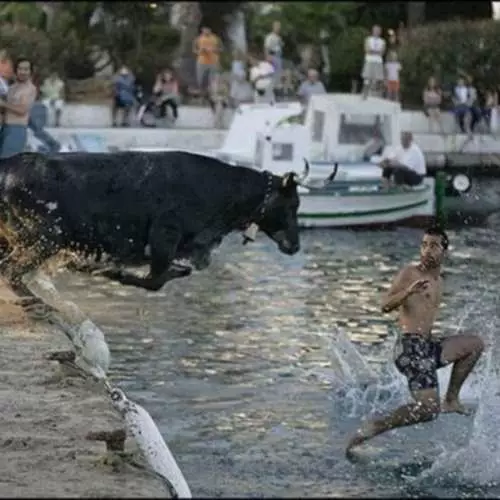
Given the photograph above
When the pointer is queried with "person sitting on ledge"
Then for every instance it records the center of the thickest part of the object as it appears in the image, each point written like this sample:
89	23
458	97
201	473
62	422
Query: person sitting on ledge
406	167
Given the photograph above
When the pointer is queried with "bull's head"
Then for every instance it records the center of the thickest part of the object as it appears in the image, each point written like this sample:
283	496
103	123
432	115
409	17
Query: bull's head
279	218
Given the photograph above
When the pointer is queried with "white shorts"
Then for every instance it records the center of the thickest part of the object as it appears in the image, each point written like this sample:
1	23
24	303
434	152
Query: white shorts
373	71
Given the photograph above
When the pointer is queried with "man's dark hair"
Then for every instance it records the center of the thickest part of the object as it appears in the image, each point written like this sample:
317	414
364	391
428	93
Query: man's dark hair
436	230
21	60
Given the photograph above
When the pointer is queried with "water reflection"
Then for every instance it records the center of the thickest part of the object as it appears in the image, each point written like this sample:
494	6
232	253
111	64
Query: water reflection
233	362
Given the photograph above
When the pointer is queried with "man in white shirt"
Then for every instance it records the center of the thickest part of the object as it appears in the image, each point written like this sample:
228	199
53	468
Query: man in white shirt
373	68
406	167
262	79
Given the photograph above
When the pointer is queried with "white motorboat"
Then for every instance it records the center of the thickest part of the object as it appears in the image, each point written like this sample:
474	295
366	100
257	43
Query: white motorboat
336	132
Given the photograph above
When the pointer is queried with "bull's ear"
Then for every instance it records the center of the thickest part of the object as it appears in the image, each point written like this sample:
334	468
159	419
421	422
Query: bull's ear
289	180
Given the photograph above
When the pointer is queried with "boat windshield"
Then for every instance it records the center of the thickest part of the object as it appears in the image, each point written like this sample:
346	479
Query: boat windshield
362	129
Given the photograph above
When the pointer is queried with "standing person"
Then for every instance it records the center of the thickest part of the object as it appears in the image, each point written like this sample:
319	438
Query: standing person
373	68
16	107
273	47
416	291
262	79
52	92
207	47
123	95
392	70
432	97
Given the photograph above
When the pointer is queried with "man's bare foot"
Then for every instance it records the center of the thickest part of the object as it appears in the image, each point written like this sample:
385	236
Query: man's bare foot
455	407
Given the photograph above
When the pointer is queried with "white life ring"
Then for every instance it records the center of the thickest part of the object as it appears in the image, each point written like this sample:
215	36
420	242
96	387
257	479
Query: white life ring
461	183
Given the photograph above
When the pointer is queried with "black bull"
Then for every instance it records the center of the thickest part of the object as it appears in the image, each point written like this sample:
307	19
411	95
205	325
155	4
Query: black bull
136	208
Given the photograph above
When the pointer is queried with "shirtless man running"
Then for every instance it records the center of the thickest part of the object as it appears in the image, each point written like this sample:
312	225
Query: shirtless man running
416	291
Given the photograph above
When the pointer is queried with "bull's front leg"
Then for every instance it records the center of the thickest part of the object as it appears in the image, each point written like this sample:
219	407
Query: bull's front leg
163	243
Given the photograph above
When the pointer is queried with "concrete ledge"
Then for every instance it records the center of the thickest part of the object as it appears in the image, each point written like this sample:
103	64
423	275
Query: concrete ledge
201	117
195	130
99	116
46	416
125	138
418	123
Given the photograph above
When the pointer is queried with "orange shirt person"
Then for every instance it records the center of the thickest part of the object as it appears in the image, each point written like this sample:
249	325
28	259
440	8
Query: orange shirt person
207	47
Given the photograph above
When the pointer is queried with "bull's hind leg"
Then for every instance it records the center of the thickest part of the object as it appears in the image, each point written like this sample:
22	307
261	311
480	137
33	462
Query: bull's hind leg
163	243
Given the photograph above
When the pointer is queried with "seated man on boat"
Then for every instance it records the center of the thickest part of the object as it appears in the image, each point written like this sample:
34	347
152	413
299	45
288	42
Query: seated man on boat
405	166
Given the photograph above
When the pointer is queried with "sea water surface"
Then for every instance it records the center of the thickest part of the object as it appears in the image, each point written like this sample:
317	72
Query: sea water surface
245	368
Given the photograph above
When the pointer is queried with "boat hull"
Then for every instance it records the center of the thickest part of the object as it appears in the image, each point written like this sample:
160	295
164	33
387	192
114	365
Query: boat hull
377	208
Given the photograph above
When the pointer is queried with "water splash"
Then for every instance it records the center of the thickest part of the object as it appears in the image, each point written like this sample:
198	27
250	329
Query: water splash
478	462
363	393
359	391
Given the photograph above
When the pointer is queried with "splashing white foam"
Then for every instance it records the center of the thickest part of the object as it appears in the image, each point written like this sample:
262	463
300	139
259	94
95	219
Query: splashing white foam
360	392
478	462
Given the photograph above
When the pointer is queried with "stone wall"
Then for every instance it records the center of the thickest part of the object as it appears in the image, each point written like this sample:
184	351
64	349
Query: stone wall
200	117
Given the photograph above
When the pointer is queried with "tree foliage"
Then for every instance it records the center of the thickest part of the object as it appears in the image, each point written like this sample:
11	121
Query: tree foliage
83	37
448	50
82	33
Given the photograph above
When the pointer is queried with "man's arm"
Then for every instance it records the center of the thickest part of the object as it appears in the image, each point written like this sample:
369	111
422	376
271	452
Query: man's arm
399	290
23	107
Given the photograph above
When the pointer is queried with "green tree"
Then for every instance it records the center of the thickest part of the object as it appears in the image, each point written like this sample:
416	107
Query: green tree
447	50
28	14
301	23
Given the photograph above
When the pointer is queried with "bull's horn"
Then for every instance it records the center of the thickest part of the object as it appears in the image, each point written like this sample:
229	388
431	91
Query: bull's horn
302	177
333	174
250	233
297	179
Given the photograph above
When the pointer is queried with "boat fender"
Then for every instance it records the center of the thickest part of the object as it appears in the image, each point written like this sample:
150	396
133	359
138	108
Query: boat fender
461	183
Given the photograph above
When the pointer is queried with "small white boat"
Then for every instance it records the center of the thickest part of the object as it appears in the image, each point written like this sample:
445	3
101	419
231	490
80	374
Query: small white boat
347	204
336	130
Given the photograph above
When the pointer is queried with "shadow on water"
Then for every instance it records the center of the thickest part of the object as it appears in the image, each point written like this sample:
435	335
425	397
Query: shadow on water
235	363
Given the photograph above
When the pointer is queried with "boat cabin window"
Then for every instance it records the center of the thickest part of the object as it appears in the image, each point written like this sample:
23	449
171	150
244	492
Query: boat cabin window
282	151
318	124
362	129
